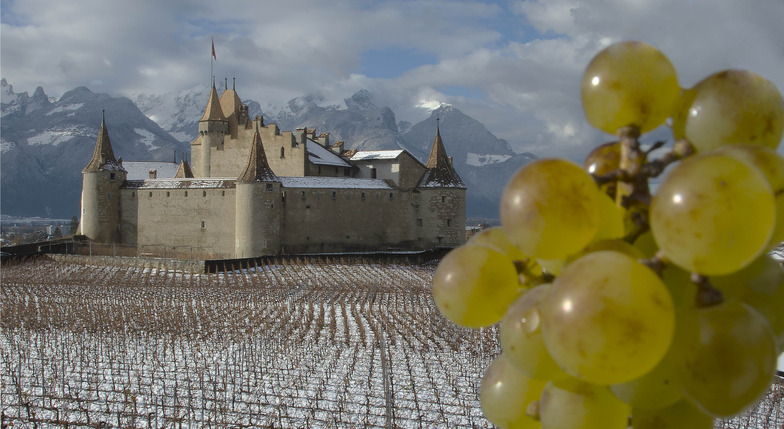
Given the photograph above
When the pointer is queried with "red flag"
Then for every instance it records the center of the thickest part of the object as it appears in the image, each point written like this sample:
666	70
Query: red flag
213	50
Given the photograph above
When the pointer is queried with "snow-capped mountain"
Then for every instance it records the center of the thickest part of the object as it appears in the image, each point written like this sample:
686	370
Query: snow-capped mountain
46	143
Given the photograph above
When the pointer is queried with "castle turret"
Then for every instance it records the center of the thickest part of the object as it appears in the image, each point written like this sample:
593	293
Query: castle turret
101	181
183	171
443	192
213	127
258	208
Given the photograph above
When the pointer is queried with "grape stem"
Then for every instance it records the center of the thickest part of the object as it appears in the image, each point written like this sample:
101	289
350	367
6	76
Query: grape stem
524	270
707	295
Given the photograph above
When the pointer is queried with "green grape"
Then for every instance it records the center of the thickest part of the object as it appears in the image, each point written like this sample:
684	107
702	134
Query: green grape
550	209
607	319
713	214
725	357
760	285
629	83
733	106
656	389
604	159
771	165
473	285
611	224
506	393
521	337
496	238
680	415
572	404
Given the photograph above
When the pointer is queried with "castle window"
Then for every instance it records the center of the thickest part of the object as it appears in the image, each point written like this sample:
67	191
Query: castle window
203	193
391	196
449	222
223	193
151	194
168	193
419	222
283	197
443	199
302	195
133	194
202	225
282	152
440	239
347	172
334	195
268	187
372	172
112	176
362	196
186	193
319	169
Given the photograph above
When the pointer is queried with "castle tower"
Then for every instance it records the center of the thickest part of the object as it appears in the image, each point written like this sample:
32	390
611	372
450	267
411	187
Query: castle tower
443	199
236	113
213	126
258	208
101	181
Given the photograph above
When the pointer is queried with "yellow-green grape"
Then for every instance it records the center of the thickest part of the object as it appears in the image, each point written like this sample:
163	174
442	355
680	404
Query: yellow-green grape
734	106
629	83
760	285
473	285
646	244
604	159
506	393
611	223
771	165
572	404
495	237
656	389
521	337
607	319
680	415
681	112
713	214
725	357
550	208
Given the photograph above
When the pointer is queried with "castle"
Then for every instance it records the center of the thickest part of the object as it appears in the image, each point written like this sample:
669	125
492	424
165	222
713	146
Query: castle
254	190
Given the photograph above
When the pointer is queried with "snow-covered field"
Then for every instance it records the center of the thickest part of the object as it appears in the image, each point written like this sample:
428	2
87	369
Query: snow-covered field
285	345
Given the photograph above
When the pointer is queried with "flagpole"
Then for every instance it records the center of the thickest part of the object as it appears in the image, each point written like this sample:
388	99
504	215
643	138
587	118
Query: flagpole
212	56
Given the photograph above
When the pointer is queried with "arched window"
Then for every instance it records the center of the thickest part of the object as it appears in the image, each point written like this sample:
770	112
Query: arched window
282	152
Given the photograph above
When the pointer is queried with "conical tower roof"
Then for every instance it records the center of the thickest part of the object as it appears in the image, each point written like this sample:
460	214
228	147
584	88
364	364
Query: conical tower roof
440	173
183	171
103	155
258	170
213	112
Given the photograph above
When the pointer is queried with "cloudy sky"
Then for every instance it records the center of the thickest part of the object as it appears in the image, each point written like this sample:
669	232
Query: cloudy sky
513	65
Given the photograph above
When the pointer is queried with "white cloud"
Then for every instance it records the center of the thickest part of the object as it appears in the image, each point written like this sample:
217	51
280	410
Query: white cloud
523	57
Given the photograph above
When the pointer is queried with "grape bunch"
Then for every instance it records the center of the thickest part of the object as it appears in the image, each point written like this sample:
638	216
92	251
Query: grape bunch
618	307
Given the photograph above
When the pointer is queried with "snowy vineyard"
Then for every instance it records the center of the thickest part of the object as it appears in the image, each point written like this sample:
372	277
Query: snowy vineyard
285	345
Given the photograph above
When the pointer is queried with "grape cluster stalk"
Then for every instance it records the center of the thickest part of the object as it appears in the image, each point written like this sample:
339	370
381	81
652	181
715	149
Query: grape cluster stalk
619	307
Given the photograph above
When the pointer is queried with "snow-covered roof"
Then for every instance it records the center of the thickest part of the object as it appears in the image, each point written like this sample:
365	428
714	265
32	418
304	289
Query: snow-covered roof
140	170
366	155
320	155
199	183
333	182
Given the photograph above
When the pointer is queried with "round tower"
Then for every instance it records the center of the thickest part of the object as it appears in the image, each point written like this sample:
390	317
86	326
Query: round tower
258	208
102	179
213	126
